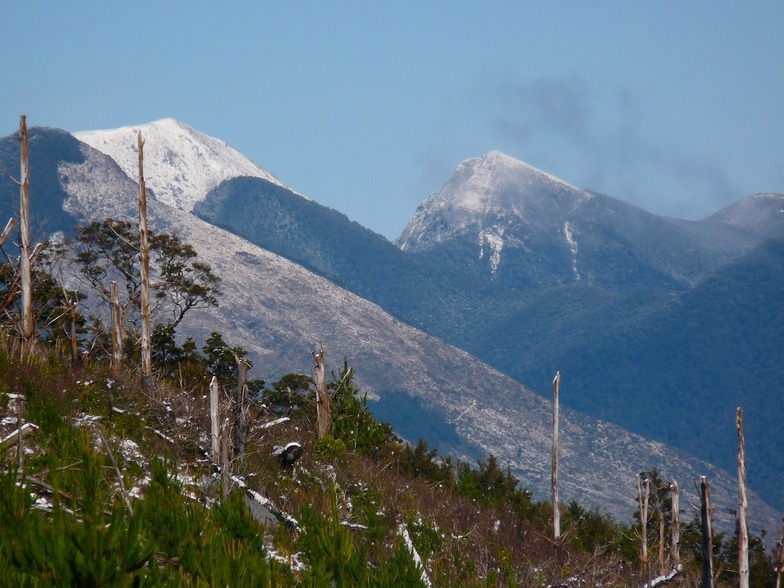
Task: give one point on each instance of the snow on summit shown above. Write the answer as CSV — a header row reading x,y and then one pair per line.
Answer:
x,y
489,189
181,165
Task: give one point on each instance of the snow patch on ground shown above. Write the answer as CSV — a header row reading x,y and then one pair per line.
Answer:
x,y
130,451
494,240
275,422
573,247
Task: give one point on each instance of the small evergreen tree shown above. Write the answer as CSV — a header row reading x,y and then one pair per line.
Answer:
x,y
352,421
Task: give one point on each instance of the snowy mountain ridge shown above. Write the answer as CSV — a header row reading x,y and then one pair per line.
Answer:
x,y
181,164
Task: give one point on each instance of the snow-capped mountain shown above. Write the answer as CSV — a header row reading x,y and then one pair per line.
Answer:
x,y
181,164
485,193
522,227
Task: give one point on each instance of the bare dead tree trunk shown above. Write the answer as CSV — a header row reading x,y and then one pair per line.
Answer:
x,y
117,333
556,509
73,304
743,507
779,555
662,569
642,499
706,513
675,525
145,269
240,407
19,434
27,326
324,417
224,460
215,420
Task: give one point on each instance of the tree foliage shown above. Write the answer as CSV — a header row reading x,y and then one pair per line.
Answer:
x,y
352,421
52,300
109,251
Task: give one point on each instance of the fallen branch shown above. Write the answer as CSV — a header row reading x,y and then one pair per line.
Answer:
x,y
52,490
117,470
13,438
665,579
275,422
282,516
403,532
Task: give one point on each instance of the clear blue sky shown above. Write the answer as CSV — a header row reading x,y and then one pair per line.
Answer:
x,y
368,107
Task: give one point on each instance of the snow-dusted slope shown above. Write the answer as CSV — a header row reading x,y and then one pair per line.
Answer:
x,y
761,213
180,164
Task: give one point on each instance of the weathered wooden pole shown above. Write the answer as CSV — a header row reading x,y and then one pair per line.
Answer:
x,y
556,509
224,459
215,421
323,414
145,269
707,533
662,569
27,326
743,507
675,525
20,435
240,405
73,303
115,367
642,499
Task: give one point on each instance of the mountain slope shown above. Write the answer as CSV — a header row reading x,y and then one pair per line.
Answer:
x,y
326,242
181,163
280,312
48,149
762,214
616,324
679,372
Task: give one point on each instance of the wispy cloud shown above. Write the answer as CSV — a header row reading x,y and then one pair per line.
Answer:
x,y
594,138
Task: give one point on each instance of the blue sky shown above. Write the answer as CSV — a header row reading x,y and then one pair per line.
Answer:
x,y
369,107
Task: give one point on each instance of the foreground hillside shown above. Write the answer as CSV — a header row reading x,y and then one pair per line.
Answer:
x,y
116,487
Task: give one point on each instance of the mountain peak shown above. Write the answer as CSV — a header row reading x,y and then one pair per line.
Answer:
x,y
182,164
493,189
501,169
